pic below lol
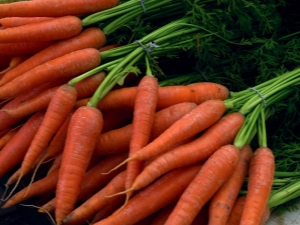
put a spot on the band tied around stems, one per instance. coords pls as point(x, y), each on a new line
point(260, 95)
point(151, 46)
point(143, 5)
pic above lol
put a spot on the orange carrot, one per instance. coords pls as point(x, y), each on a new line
point(221, 164)
point(167, 96)
point(50, 30)
point(162, 192)
point(8, 136)
point(89, 38)
point(143, 119)
point(19, 21)
point(84, 129)
point(67, 65)
point(22, 48)
point(15, 61)
point(55, 164)
point(261, 176)
point(118, 140)
point(54, 7)
point(236, 212)
point(222, 202)
point(14, 151)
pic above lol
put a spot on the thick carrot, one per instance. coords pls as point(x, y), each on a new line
point(84, 129)
point(143, 119)
point(222, 202)
point(14, 151)
point(19, 21)
point(261, 176)
point(67, 65)
point(8, 136)
point(162, 192)
point(118, 140)
point(221, 164)
point(54, 7)
point(50, 30)
point(89, 38)
point(236, 212)
point(167, 96)
point(22, 48)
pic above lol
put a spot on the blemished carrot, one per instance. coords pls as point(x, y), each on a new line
point(8, 136)
point(39, 187)
point(261, 176)
point(118, 140)
point(221, 164)
point(167, 96)
point(15, 61)
point(14, 151)
point(54, 8)
point(19, 21)
point(88, 38)
point(84, 129)
point(192, 123)
point(23, 48)
point(162, 192)
point(222, 202)
point(236, 212)
point(50, 30)
point(143, 119)
point(67, 65)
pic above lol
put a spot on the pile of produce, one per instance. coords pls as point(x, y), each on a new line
point(150, 112)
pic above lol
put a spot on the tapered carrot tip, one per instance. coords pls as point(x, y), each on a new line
point(118, 166)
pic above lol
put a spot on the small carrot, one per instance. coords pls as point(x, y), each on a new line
point(222, 202)
point(23, 48)
point(89, 38)
point(50, 30)
point(84, 129)
point(261, 176)
point(118, 140)
point(162, 192)
point(236, 212)
point(221, 164)
point(54, 8)
point(19, 21)
point(15, 61)
point(8, 136)
point(67, 65)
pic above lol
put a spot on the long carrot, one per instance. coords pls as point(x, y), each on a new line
point(162, 193)
point(54, 7)
point(222, 202)
point(118, 140)
point(261, 176)
point(67, 65)
point(84, 129)
point(22, 48)
point(19, 21)
point(221, 164)
point(89, 38)
point(143, 119)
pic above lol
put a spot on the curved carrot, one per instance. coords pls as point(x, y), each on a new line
point(23, 48)
point(54, 7)
point(19, 21)
point(261, 176)
point(223, 132)
point(89, 38)
point(221, 164)
point(222, 202)
point(67, 65)
point(118, 140)
point(84, 129)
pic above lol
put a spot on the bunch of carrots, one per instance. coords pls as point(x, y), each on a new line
point(142, 153)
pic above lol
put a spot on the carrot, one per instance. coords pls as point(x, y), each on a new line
point(40, 187)
point(8, 136)
point(55, 164)
point(67, 65)
point(89, 38)
point(221, 164)
point(23, 48)
point(84, 129)
point(236, 212)
point(261, 175)
point(167, 96)
point(108, 47)
point(14, 151)
point(54, 7)
point(15, 61)
point(118, 140)
point(162, 192)
point(19, 21)
point(222, 202)
point(4, 61)
point(50, 30)
point(143, 119)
